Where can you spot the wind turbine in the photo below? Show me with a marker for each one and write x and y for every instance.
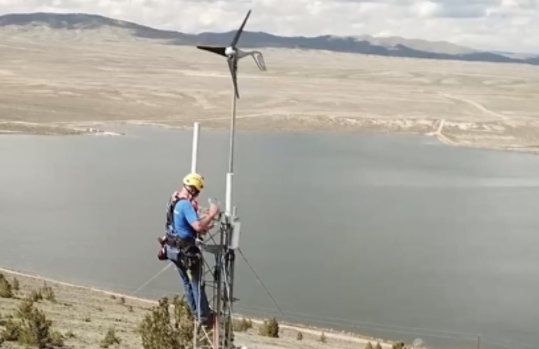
(233, 54)
(222, 277)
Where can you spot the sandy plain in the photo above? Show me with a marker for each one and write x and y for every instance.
(57, 81)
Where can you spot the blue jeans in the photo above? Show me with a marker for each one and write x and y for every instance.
(191, 280)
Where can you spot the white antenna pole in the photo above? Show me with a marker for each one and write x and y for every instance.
(194, 155)
(228, 197)
(232, 134)
(230, 174)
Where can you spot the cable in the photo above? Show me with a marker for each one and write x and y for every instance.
(152, 278)
(376, 326)
(261, 282)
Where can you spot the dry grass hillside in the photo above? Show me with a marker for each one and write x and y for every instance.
(83, 316)
(70, 81)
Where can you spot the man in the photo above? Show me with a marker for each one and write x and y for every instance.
(181, 249)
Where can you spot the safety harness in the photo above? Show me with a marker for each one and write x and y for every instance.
(189, 254)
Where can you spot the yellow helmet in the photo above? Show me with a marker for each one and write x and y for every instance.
(194, 180)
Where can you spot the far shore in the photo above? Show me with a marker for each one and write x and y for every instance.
(445, 132)
(79, 85)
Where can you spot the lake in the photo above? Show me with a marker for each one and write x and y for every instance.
(393, 236)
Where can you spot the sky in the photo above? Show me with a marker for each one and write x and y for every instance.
(502, 25)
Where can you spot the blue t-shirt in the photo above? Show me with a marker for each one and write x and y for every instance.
(184, 215)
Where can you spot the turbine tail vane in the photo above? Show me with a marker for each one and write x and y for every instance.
(257, 57)
(259, 60)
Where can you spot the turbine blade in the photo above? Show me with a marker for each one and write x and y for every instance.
(218, 50)
(233, 66)
(238, 33)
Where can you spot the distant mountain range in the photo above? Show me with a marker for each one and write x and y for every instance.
(393, 46)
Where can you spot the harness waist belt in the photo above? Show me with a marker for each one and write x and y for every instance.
(178, 242)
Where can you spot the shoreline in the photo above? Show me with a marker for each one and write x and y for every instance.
(435, 128)
(312, 332)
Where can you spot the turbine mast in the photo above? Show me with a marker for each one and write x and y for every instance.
(221, 278)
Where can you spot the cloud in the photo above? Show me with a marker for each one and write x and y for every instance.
(454, 9)
(511, 25)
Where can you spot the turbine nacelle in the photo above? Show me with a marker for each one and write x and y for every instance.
(230, 51)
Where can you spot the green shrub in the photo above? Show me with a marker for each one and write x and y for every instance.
(242, 325)
(110, 339)
(299, 336)
(184, 321)
(122, 300)
(130, 308)
(157, 330)
(70, 335)
(87, 319)
(36, 295)
(270, 328)
(5, 287)
(56, 339)
(11, 331)
(378, 346)
(399, 345)
(323, 338)
(25, 308)
(368, 346)
(48, 293)
(15, 284)
(34, 326)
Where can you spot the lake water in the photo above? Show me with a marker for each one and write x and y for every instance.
(394, 236)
